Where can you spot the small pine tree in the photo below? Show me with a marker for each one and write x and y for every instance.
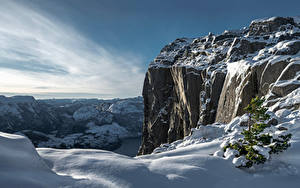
(255, 138)
(257, 114)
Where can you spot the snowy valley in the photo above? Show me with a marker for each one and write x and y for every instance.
(72, 123)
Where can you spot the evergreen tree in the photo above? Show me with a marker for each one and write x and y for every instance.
(257, 144)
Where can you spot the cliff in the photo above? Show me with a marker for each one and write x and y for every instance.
(199, 81)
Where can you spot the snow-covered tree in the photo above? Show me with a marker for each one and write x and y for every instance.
(259, 140)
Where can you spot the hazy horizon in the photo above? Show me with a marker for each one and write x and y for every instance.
(65, 95)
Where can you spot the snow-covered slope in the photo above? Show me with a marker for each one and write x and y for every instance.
(189, 164)
(21, 166)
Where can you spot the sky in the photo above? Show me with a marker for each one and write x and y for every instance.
(101, 48)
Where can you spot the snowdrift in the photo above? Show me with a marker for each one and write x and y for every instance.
(188, 162)
(21, 165)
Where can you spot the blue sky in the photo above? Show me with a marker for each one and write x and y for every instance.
(101, 48)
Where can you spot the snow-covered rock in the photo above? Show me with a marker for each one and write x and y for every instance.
(24, 112)
(212, 78)
(126, 106)
(87, 113)
(107, 137)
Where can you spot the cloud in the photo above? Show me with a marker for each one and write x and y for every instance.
(41, 54)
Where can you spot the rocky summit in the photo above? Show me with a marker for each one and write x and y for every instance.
(200, 81)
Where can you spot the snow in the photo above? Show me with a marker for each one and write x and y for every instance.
(288, 101)
(203, 52)
(191, 166)
(239, 161)
(230, 153)
(10, 105)
(262, 150)
(124, 107)
(296, 19)
(282, 46)
(169, 55)
(263, 20)
(85, 113)
(237, 68)
(91, 112)
(198, 135)
(197, 160)
(113, 129)
(95, 136)
(21, 165)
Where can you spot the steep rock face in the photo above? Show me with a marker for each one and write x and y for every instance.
(194, 82)
(175, 100)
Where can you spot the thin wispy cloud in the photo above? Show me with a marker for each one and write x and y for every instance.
(39, 53)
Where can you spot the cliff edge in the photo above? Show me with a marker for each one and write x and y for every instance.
(199, 81)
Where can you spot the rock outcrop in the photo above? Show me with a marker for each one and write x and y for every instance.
(195, 82)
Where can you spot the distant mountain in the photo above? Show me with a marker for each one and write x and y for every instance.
(72, 123)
